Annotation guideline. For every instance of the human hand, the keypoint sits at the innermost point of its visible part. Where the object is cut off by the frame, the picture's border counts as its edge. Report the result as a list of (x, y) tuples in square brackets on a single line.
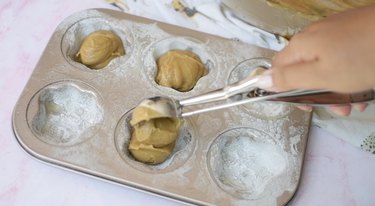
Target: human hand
[(336, 53)]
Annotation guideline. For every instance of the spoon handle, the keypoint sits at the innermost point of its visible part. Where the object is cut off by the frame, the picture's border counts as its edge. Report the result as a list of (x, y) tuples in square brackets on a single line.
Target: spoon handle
[(310, 97), (326, 98), (242, 86)]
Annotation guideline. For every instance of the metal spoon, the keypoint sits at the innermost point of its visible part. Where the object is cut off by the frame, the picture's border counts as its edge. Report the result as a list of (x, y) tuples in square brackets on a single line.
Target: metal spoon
[(237, 94)]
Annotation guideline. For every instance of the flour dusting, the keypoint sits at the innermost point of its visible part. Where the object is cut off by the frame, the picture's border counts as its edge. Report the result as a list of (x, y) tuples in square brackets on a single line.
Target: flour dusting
[(244, 163), (65, 113)]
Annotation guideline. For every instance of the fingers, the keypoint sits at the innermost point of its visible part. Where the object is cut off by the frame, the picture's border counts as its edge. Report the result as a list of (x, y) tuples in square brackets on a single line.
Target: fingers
[(341, 110), (287, 56), (360, 106), (293, 52), (306, 108), (304, 75), (345, 110)]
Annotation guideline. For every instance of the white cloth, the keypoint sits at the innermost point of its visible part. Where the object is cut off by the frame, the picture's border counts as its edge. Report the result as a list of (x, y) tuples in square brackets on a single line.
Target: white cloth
[(357, 129)]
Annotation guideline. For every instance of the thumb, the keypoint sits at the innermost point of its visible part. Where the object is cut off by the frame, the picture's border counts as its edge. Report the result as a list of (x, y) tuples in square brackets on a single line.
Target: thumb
[(304, 75)]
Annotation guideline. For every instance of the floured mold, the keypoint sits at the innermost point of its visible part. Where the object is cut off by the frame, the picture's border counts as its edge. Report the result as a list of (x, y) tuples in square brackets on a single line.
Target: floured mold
[(264, 109), (247, 163), (68, 112)]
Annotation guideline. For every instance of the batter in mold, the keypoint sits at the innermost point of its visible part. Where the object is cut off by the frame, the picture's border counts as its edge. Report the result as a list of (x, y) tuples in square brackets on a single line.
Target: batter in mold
[(180, 70), (154, 136), (99, 48)]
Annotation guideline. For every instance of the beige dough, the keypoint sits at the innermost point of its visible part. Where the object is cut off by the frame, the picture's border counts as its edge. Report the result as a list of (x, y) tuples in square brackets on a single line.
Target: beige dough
[(179, 69), (153, 137), (99, 48), (318, 9)]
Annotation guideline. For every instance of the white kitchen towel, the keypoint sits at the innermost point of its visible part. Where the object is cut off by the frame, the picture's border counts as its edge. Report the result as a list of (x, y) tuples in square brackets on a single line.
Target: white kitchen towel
[(357, 129)]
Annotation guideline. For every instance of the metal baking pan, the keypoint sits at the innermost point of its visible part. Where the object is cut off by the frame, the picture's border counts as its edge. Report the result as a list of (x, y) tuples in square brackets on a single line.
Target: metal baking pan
[(247, 155)]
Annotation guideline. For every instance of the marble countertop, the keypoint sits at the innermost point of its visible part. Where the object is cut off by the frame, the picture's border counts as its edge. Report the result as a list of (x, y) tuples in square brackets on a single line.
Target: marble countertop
[(335, 173)]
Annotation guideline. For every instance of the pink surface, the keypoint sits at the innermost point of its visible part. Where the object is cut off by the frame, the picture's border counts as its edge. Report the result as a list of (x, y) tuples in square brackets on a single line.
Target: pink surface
[(335, 173)]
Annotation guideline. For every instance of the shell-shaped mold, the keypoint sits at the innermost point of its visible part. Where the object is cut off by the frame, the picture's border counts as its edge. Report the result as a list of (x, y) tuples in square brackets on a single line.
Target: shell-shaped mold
[(161, 47), (68, 113), (75, 35), (184, 146), (245, 163), (264, 109)]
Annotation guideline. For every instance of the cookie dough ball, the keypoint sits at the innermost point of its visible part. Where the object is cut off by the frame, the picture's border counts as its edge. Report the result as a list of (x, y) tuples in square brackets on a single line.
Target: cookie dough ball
[(179, 69), (154, 137), (99, 48)]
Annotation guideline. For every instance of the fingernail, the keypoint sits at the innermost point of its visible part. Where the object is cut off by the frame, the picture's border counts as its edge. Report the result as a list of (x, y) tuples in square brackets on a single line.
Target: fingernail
[(265, 80), (340, 110), (343, 113), (360, 107), (306, 108)]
